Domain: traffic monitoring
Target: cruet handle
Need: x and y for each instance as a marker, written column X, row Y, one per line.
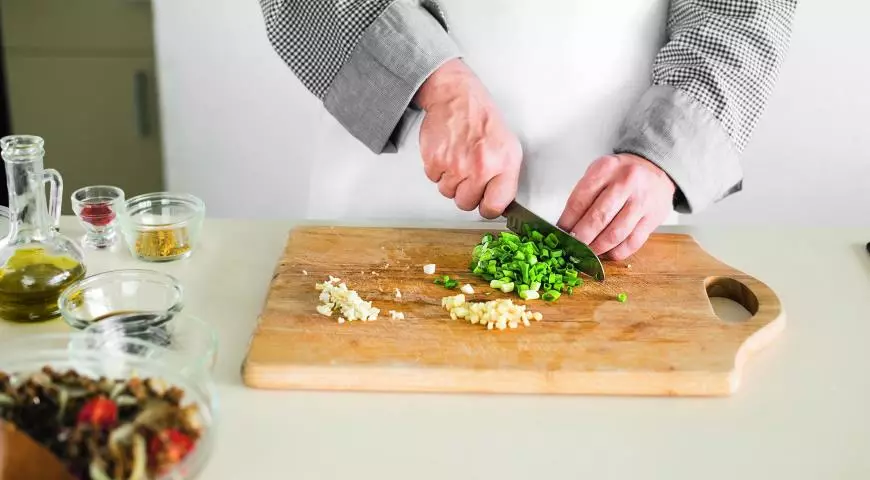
column 4, row 213
column 55, row 196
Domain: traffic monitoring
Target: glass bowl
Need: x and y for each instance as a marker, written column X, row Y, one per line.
column 97, row 208
column 28, row 354
column 162, row 226
column 189, row 337
column 121, row 291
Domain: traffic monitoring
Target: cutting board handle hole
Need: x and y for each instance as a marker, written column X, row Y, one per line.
column 732, row 301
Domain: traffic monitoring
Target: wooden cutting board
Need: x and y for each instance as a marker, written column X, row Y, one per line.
column 665, row 340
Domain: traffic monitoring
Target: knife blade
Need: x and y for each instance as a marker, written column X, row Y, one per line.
column 588, row 263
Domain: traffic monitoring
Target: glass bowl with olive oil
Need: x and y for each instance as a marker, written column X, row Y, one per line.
column 117, row 292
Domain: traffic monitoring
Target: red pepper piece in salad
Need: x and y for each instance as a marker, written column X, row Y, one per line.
column 100, row 412
column 169, row 447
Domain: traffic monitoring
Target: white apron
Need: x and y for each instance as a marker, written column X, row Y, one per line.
column 563, row 72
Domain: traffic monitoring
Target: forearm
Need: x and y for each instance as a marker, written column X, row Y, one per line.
column 364, row 60
column 711, row 82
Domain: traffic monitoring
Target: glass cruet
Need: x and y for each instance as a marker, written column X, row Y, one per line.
column 36, row 262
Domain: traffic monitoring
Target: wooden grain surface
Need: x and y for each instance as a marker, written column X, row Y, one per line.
column 665, row 340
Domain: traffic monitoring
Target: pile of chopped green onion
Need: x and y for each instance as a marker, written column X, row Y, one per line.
column 446, row 281
column 532, row 265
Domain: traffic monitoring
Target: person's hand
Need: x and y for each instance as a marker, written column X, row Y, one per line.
column 467, row 148
column 617, row 204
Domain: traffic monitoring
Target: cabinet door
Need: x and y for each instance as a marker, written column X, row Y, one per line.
column 76, row 26
column 98, row 117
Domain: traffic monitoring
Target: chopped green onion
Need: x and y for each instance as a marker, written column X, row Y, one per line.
column 529, row 295
column 531, row 264
column 622, row 297
column 551, row 240
column 551, row 295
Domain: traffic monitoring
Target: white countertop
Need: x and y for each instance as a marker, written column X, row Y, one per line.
column 801, row 412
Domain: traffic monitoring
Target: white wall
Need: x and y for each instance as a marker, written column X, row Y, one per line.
column 235, row 119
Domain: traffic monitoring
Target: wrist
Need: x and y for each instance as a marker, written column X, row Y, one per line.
column 657, row 170
column 445, row 83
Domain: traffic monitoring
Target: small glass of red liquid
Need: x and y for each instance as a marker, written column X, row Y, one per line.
column 98, row 208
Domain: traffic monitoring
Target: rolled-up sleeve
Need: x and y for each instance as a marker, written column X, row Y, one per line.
column 710, row 85
column 364, row 59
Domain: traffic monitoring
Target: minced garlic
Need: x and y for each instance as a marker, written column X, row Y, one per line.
column 336, row 297
column 500, row 314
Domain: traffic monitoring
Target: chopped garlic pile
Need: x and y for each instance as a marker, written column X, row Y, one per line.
column 336, row 297
column 501, row 314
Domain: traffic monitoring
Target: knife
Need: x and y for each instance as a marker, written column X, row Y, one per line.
column 588, row 263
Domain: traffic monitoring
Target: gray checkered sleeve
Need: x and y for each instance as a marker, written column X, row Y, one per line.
column 711, row 81
column 364, row 59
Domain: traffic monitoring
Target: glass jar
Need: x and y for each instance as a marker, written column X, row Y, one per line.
column 36, row 262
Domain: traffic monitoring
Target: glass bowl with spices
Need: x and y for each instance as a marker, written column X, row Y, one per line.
column 162, row 226
column 104, row 413
column 117, row 292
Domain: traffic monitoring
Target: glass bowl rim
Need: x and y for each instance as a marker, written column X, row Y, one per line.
column 194, row 204
column 113, row 188
column 112, row 328
column 137, row 273
column 197, row 460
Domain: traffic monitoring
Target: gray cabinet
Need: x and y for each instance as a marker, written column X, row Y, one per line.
column 81, row 74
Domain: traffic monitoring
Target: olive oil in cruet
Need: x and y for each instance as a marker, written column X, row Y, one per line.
column 36, row 262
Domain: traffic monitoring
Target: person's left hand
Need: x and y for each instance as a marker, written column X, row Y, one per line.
column 617, row 204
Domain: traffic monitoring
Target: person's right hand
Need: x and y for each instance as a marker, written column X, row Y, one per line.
column 467, row 148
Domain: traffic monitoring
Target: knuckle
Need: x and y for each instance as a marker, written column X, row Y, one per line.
column 481, row 169
column 633, row 174
column 615, row 236
column 598, row 217
column 607, row 162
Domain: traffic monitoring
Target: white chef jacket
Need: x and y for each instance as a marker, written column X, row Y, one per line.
column 563, row 83
column 680, row 83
